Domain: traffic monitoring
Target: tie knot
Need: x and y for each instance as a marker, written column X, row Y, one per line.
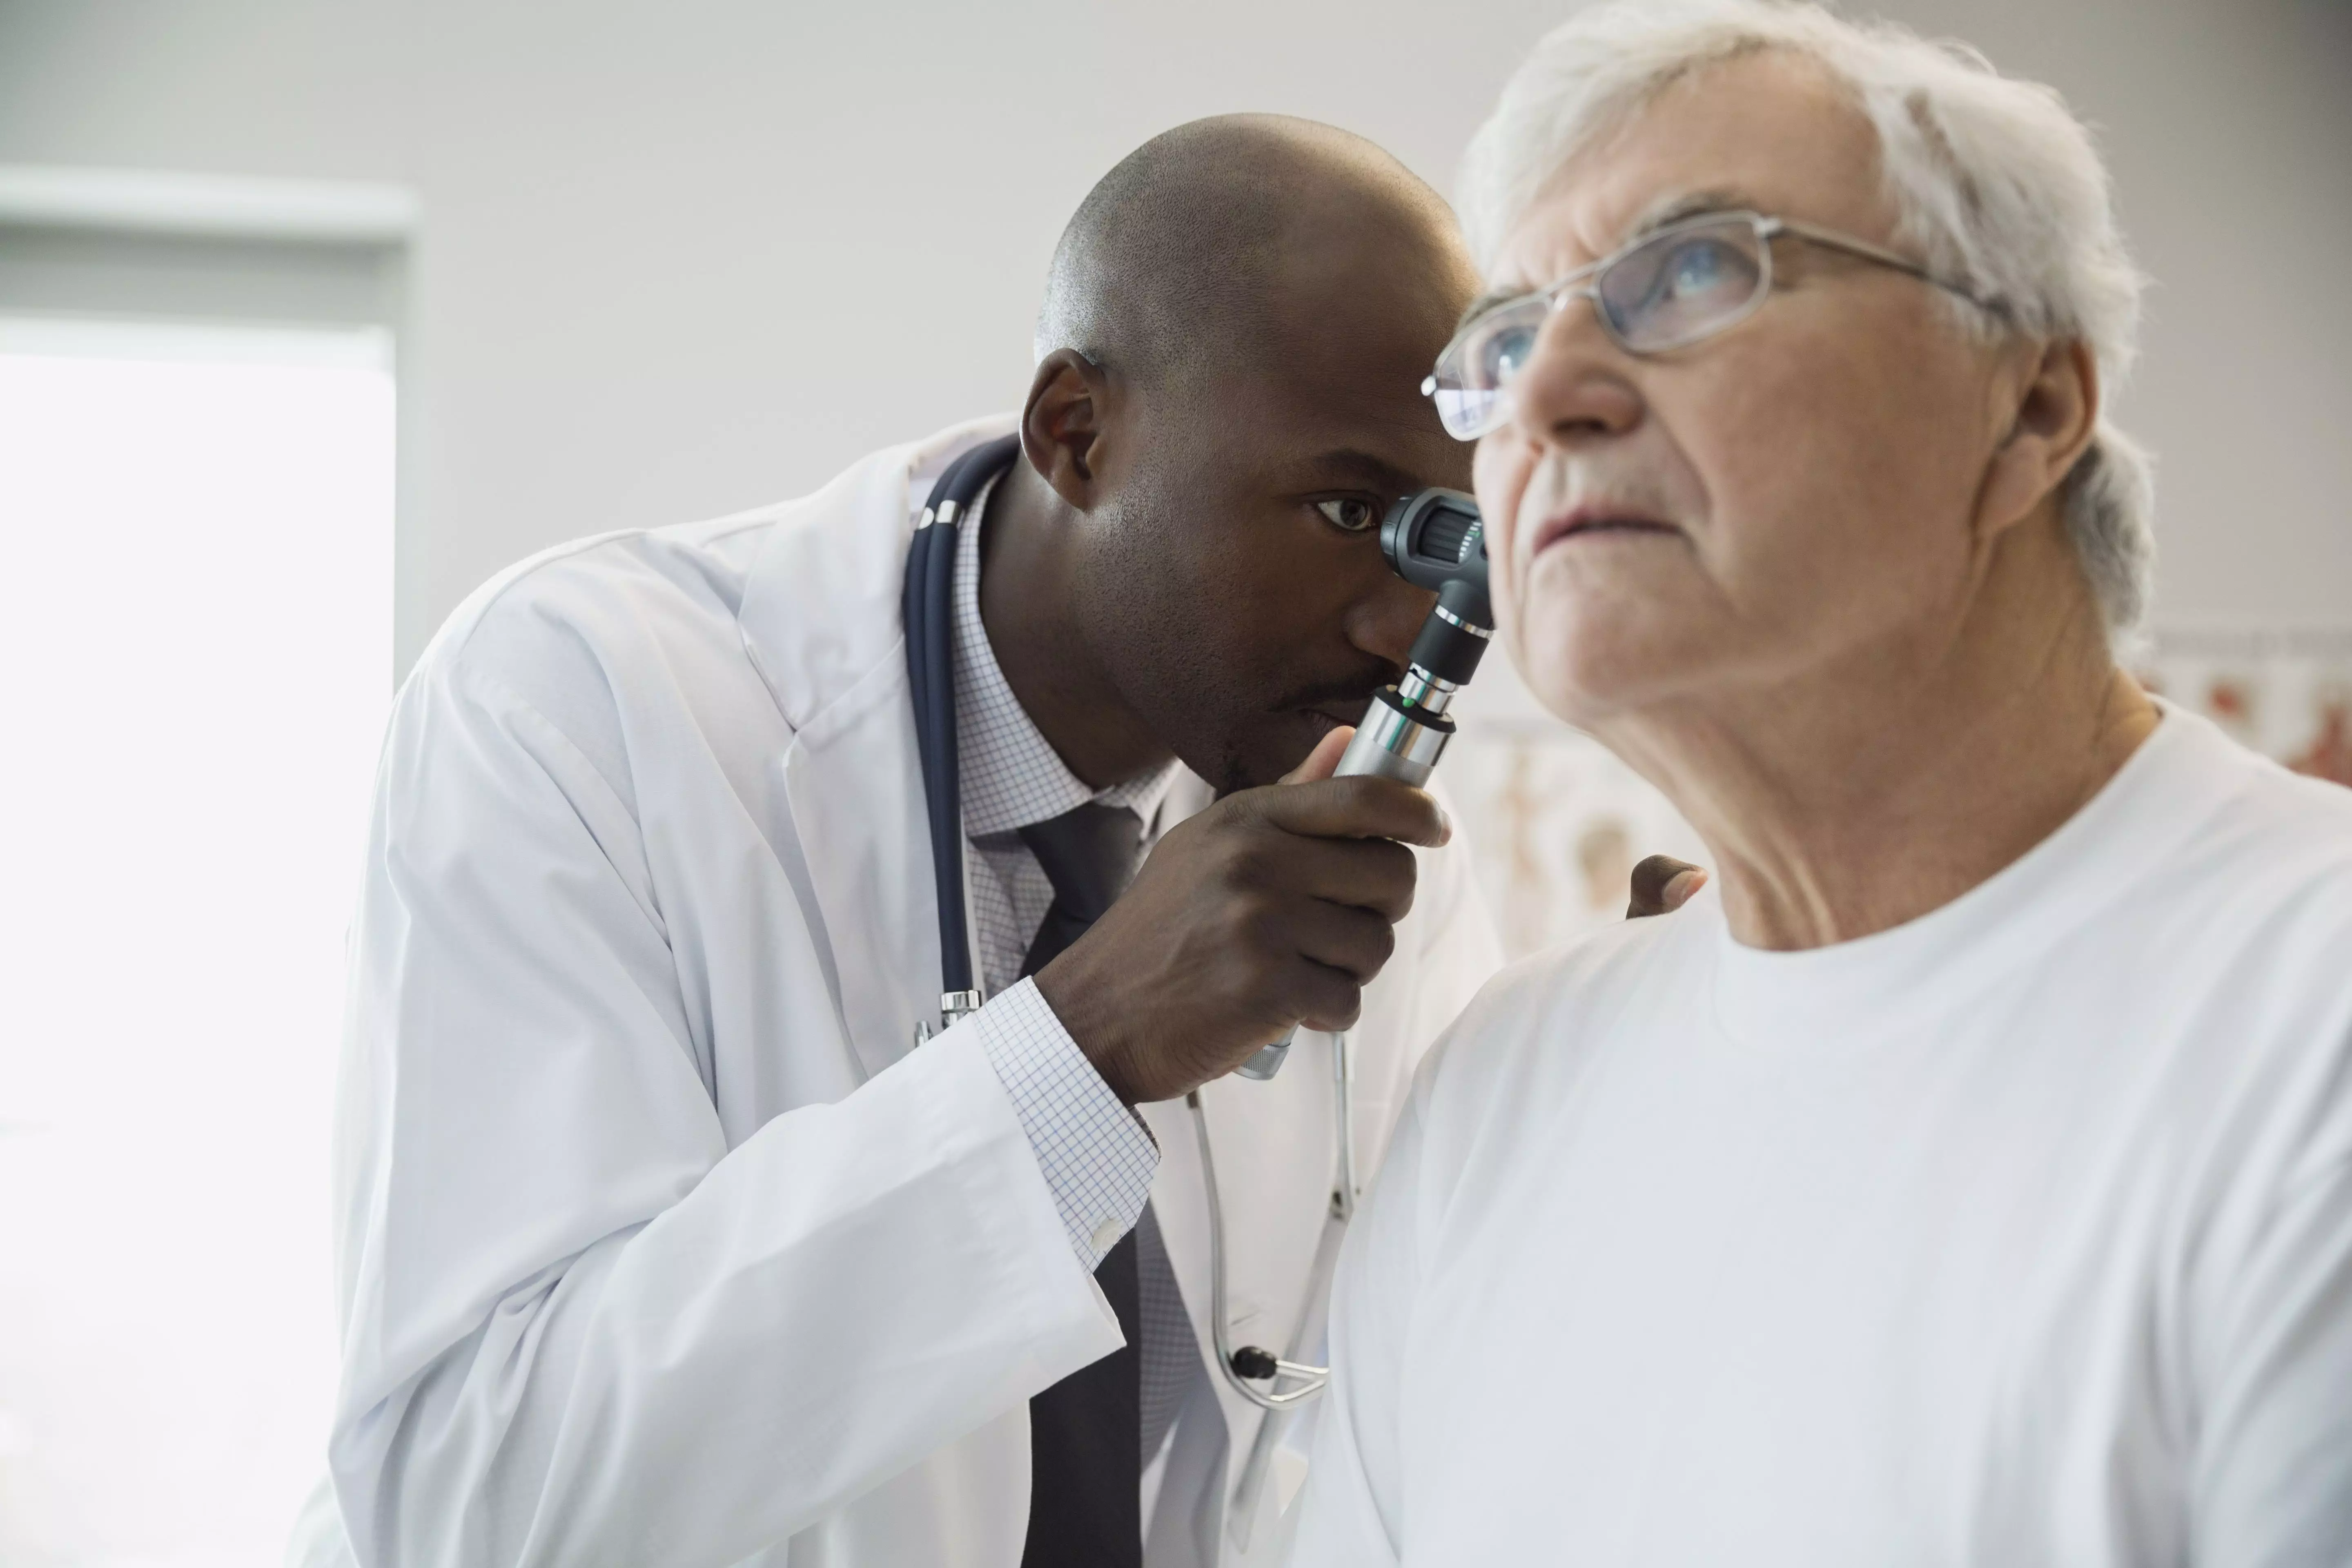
column 1090, row 854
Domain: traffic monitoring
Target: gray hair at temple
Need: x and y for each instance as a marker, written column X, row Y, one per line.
column 1996, row 181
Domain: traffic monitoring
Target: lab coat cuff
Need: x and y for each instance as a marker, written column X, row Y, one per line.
column 1097, row 1158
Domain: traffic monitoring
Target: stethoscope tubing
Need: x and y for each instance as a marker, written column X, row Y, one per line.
column 927, row 609
column 1311, row 1379
column 929, row 612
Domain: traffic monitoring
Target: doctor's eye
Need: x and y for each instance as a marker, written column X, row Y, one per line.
column 1351, row 514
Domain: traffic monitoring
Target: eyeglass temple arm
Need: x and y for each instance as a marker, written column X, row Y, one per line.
column 1833, row 240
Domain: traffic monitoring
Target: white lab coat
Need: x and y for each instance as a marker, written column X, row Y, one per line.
column 659, row 1242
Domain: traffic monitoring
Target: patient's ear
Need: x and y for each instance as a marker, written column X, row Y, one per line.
column 2050, row 400
column 1065, row 425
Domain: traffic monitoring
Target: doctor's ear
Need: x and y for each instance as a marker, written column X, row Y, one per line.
column 1064, row 424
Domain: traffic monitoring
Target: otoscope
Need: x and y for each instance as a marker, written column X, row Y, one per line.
column 1434, row 538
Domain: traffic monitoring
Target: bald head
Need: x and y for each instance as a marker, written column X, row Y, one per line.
column 1214, row 245
column 1226, row 401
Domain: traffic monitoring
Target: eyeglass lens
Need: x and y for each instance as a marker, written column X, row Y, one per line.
column 1681, row 286
column 1669, row 292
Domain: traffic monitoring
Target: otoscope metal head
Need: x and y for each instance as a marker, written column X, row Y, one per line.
column 1434, row 538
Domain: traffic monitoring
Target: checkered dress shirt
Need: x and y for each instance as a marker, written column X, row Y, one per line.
column 1098, row 1159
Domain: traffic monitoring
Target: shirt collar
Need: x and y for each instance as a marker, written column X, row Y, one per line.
column 1012, row 776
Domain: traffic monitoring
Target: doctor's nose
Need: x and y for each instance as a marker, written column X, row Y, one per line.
column 1384, row 620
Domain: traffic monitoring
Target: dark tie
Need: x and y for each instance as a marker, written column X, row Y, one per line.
column 1085, row 1433
column 1089, row 854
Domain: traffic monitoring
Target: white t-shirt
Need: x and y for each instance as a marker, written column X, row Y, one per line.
column 2018, row 1234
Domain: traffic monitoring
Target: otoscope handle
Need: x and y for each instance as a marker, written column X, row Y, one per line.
column 1269, row 1059
column 1396, row 741
column 1433, row 539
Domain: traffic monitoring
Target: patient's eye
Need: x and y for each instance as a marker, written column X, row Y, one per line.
column 1352, row 514
column 1702, row 266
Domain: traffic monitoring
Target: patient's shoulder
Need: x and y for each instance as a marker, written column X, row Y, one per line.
column 2262, row 818
column 1595, row 963
column 2290, row 818
column 2275, row 859
column 1546, row 1017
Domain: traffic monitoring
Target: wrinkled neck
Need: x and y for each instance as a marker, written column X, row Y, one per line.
column 1855, row 797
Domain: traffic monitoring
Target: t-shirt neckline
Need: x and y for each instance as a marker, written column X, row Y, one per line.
column 2172, row 782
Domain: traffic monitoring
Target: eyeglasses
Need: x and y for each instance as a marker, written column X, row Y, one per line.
column 1689, row 280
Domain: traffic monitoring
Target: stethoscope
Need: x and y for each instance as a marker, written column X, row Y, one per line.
column 1264, row 1379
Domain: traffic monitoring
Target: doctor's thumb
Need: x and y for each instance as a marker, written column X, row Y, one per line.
column 1324, row 759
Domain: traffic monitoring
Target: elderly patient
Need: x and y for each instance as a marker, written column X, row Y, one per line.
column 1965, row 1176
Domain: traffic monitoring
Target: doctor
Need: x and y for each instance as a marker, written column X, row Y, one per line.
column 661, row 1238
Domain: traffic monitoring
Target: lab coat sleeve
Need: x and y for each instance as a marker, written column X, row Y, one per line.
column 1347, row 1515
column 580, row 1329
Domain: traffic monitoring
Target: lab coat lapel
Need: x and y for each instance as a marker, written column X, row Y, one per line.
column 822, row 622
column 857, row 795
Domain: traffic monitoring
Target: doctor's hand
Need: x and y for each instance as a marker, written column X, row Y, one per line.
column 1662, row 885
column 1273, row 908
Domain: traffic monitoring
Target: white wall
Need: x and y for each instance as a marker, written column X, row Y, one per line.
column 682, row 258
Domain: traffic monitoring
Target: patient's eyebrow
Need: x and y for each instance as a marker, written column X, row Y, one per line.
column 1673, row 208
column 1664, row 212
column 1487, row 301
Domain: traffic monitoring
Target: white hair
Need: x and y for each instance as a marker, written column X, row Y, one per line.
column 1996, row 185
